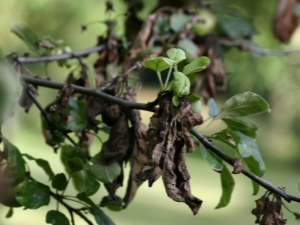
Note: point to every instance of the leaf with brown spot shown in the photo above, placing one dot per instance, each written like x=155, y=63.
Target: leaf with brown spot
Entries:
x=285, y=22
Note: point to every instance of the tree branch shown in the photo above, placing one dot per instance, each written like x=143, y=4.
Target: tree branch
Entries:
x=70, y=208
x=249, y=48
x=150, y=107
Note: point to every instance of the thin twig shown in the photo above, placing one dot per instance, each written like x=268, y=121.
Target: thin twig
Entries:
x=47, y=117
x=150, y=107
x=261, y=51
x=70, y=208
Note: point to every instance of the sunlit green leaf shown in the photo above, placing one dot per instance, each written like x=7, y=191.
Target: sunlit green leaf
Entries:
x=195, y=101
x=178, y=21
x=213, y=109
x=176, y=54
x=14, y=172
x=227, y=183
x=243, y=125
x=100, y=217
x=196, y=65
x=241, y=105
x=213, y=160
x=56, y=218
x=175, y=101
x=27, y=35
x=181, y=84
x=157, y=64
x=59, y=182
x=10, y=213
x=248, y=147
x=33, y=195
x=104, y=173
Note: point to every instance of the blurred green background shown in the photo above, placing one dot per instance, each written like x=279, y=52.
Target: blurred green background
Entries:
x=276, y=78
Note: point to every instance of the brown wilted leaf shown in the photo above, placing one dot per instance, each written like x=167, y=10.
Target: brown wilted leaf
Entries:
x=261, y=204
x=237, y=167
x=285, y=22
x=138, y=158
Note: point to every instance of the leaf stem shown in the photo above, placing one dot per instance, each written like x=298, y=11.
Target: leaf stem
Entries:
x=168, y=77
x=160, y=80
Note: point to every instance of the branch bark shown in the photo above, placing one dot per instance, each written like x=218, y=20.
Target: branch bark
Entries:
x=149, y=107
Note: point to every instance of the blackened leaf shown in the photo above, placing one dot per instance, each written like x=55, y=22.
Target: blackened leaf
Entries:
x=43, y=164
x=176, y=54
x=196, y=65
x=241, y=105
x=253, y=166
x=10, y=213
x=196, y=103
x=75, y=164
x=33, y=195
x=27, y=35
x=56, y=218
x=100, y=217
x=248, y=147
x=227, y=183
x=213, y=108
x=243, y=125
x=213, y=160
x=14, y=172
x=178, y=21
x=59, y=182
x=105, y=174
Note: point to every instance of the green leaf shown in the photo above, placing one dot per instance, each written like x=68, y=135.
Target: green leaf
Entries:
x=176, y=54
x=10, y=213
x=214, y=161
x=114, y=204
x=175, y=101
x=100, y=217
x=189, y=47
x=14, y=172
x=56, y=218
x=59, y=182
x=253, y=166
x=248, y=147
x=157, y=64
x=69, y=152
x=102, y=172
x=82, y=197
x=227, y=183
x=77, y=109
x=178, y=21
x=43, y=164
x=299, y=184
x=235, y=28
x=213, y=108
x=196, y=65
x=27, y=35
x=162, y=25
x=75, y=164
x=181, y=84
x=33, y=195
x=91, y=184
x=196, y=103
x=241, y=105
x=225, y=137
x=243, y=125
x=297, y=10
